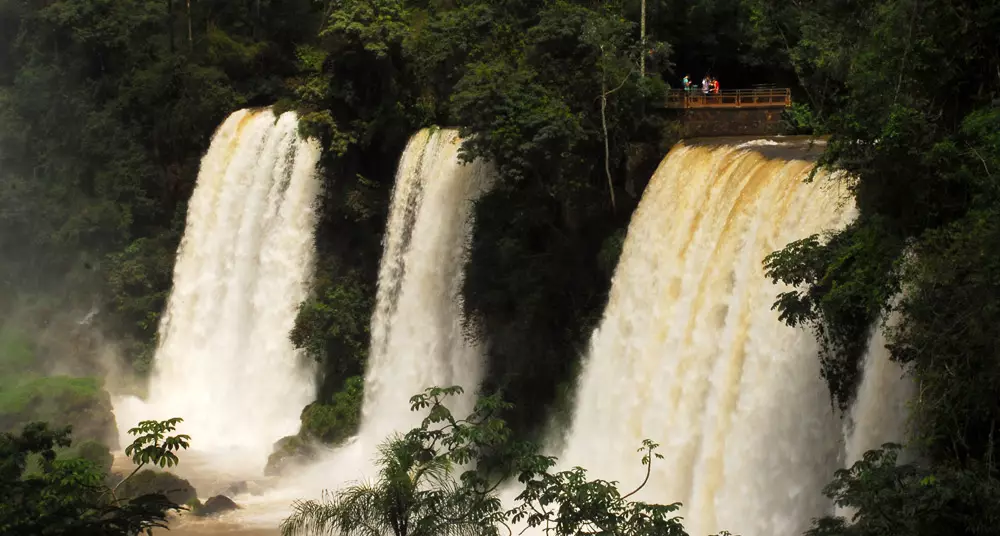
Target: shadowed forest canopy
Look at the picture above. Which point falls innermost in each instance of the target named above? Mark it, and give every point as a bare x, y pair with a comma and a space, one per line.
107, 105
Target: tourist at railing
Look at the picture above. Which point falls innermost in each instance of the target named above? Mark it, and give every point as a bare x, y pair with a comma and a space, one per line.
733, 98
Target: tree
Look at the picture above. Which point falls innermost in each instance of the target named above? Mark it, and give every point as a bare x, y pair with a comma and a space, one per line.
420, 490
411, 497
887, 498
70, 497
567, 504
904, 89
642, 39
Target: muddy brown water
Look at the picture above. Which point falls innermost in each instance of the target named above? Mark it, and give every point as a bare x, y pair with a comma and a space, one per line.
209, 528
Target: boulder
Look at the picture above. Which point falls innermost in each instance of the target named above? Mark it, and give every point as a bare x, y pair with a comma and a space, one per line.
60, 400
148, 482
216, 505
288, 452
237, 488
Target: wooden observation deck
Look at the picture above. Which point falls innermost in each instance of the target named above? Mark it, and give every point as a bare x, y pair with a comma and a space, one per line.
737, 112
734, 98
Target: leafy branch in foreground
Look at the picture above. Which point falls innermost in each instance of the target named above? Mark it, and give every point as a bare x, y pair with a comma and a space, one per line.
567, 503
886, 497
441, 478
153, 446
69, 496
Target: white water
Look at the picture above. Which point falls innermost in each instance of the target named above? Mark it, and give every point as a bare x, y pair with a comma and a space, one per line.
880, 409
417, 339
690, 354
225, 363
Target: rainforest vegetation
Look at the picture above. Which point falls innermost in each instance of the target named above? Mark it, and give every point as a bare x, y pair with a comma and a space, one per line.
107, 105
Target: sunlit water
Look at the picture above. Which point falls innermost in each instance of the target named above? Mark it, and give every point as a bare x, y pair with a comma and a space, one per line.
225, 363
691, 355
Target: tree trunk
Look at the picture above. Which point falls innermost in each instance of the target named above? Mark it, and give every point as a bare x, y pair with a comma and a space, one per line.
642, 39
190, 32
607, 147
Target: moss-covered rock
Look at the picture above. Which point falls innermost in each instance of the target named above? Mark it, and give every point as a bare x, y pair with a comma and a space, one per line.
334, 422
288, 452
27, 395
168, 484
60, 401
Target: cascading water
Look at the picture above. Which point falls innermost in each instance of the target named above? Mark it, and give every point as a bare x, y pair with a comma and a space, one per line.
417, 339
690, 354
225, 363
879, 412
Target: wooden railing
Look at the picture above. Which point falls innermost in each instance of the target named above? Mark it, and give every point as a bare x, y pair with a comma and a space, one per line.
734, 98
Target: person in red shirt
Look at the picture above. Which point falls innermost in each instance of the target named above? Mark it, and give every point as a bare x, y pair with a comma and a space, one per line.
715, 85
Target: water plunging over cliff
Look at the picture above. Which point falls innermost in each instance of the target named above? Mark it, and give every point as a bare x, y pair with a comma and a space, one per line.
417, 339
690, 354
225, 363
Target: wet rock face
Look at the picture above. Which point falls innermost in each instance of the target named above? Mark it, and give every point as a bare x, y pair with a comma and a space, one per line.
288, 452
216, 505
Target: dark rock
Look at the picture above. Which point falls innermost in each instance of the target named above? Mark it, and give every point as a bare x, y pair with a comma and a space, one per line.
216, 505
237, 488
148, 482
641, 160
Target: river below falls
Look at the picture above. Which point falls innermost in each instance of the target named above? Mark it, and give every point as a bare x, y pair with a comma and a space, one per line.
211, 475
213, 528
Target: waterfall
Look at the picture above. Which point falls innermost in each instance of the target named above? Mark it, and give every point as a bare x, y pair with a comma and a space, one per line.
690, 354
879, 412
417, 338
225, 363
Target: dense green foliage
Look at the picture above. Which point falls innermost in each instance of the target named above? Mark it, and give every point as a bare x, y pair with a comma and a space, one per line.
105, 109
334, 422
908, 92
441, 479
893, 498
45, 494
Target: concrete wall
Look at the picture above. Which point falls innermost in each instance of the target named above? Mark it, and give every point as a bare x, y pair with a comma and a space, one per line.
731, 122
